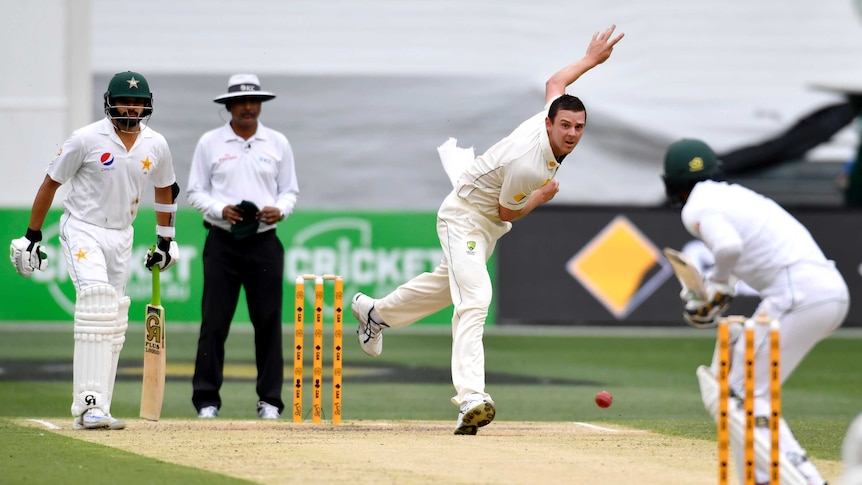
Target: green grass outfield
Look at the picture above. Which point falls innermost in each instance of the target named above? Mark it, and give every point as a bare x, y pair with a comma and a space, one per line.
543, 374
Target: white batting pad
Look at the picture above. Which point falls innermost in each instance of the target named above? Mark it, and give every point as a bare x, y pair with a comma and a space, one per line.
95, 320
708, 391
122, 324
790, 475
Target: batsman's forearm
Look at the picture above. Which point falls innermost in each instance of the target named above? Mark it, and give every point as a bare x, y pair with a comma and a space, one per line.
37, 216
42, 203
164, 199
725, 260
165, 219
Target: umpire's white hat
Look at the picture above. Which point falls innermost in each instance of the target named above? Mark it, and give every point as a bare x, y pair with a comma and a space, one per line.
243, 86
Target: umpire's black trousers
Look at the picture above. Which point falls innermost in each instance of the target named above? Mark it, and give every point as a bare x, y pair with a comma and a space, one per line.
257, 265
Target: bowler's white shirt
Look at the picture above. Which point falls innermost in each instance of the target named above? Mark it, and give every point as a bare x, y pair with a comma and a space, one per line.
226, 169
508, 172
723, 215
106, 181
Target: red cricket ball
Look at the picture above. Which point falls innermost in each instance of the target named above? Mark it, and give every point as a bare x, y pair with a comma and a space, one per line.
604, 399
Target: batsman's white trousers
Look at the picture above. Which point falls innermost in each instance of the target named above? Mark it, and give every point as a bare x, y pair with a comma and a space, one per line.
96, 255
468, 239
810, 301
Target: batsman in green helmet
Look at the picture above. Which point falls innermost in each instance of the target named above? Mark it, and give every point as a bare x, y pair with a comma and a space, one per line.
754, 240
107, 164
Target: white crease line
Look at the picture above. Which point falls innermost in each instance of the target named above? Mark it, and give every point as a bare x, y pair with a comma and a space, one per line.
46, 424
382, 424
593, 426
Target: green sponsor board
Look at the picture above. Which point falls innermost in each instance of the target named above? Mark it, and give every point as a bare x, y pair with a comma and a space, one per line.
374, 252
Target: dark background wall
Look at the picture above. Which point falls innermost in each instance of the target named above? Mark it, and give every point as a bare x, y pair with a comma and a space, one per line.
536, 284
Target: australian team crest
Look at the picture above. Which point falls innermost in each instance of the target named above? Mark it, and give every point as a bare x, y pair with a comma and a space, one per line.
471, 246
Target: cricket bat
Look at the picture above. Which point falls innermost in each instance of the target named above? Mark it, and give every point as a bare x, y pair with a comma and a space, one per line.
153, 389
686, 272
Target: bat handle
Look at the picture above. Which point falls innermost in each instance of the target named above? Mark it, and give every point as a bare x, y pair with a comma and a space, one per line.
156, 286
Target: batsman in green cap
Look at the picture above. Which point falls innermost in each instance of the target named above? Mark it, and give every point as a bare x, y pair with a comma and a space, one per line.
754, 240
106, 164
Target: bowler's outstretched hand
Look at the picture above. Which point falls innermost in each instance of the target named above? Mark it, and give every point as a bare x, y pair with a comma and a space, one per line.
602, 45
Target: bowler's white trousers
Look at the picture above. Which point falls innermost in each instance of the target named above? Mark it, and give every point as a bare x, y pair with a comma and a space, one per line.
468, 239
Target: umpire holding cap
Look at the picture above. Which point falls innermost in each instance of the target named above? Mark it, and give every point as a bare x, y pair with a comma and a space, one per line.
243, 181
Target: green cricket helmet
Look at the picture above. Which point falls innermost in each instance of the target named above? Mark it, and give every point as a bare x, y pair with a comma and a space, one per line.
686, 163
127, 85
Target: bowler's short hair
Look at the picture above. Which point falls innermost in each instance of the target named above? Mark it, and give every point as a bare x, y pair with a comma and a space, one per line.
568, 103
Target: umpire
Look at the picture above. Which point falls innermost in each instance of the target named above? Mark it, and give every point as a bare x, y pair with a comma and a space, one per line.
243, 181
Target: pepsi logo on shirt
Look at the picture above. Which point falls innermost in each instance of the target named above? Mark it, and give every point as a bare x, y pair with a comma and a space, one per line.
107, 160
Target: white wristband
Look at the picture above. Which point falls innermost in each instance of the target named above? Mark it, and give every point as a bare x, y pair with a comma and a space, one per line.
166, 231
165, 207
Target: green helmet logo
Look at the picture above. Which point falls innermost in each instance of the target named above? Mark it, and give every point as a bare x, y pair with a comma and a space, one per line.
696, 164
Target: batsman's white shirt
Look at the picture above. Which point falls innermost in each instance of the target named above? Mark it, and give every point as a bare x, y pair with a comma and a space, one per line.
227, 169
106, 187
107, 181
468, 226
722, 215
778, 257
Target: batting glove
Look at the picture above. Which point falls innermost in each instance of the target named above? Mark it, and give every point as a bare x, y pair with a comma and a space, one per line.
27, 254
704, 313
164, 254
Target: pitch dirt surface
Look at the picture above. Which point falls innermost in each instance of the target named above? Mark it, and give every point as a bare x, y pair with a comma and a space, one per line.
418, 452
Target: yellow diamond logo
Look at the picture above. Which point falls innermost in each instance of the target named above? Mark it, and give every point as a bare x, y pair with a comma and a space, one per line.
620, 267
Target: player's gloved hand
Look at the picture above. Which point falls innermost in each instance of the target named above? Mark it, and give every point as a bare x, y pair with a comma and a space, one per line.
704, 313
27, 254
164, 254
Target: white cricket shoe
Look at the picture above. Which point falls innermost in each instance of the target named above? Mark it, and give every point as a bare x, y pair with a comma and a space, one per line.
115, 423
370, 333
474, 415
93, 418
208, 412
267, 411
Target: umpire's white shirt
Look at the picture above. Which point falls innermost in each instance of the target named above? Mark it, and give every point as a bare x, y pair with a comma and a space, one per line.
227, 169
107, 182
